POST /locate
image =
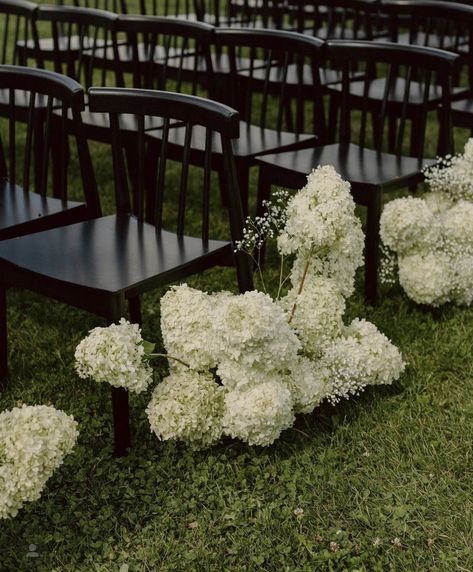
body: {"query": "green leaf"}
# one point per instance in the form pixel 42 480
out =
pixel 149 347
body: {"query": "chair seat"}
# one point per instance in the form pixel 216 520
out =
pixel 340 33
pixel 97 125
pixel 327 75
pixel 432 40
pixel 220 63
pixel 24 212
pixel 112 254
pixel 397 91
pixel 362 167
pixel 125 54
pixel 462 113
pixel 65 44
pixel 253 140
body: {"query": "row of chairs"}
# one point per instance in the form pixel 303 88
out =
pixel 274 69
pixel 99 263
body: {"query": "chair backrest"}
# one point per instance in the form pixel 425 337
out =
pixel 118 6
pixel 173 8
pixel 45 92
pixel 340 19
pixel 221 125
pixel 79 35
pixel 16 24
pixel 433 23
pixel 163 53
pixel 274 69
pixel 408 74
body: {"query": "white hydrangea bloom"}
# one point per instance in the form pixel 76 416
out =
pixel 115 355
pixel 339 263
pixel 318 317
pixel 318 215
pixel 186 326
pixel 187 406
pixel 308 385
pixel 461 273
pixel 430 239
pixel 406 223
pixel 457 227
pixel 252 329
pixel 235 375
pixel 259 413
pixel 426 277
pixel 33 443
pixel 362 356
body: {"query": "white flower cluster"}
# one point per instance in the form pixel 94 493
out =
pixel 33 443
pixel 188 406
pixel 273 358
pixel 453 175
pixel 322 226
pixel 432 237
pixel 115 355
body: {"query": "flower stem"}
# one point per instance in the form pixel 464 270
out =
pixel 281 270
pixel 169 356
pixel 301 286
pixel 258 263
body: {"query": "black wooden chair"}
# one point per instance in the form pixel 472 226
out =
pixel 76 34
pixel 448 25
pixel 436 24
pixel 156 52
pixel 101 264
pixel 340 19
pixel 383 166
pixel 274 70
pixel 25 206
pixel 16 25
pixel 62 43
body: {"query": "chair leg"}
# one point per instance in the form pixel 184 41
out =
pixel 243 175
pixel 134 306
pixel 264 191
pixel 3 339
pixel 120 406
pixel 332 118
pixel 372 249
pixel 263 194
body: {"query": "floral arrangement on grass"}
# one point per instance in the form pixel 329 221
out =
pixel 245 365
pixel 428 240
pixel 33 443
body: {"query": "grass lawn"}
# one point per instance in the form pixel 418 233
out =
pixel 384 481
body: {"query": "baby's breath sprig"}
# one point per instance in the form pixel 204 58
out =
pixel 260 229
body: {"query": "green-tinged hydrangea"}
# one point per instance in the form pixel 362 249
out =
pixel 429 239
pixel 33 443
pixel 115 355
pixel 361 356
pixel 258 414
pixel 187 406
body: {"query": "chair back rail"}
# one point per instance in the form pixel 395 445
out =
pixel 414 67
pixel 163 53
pixel 78 34
pixel 146 202
pixel 274 66
pixel 16 21
pixel 434 23
pixel 42 125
